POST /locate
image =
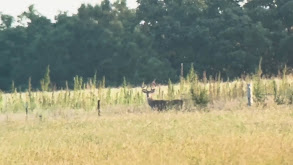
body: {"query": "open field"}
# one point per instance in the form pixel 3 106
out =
pixel 235 135
pixel 215 125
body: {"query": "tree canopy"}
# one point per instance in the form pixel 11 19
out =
pixel 146 43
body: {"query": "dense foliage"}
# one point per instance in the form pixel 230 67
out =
pixel 225 36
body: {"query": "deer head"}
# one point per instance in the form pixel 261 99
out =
pixel 146 90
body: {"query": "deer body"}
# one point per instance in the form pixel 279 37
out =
pixel 162 104
pixel 157 104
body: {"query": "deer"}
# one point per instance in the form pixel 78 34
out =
pixel 160 105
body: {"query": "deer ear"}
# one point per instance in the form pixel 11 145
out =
pixel 154 83
pixel 143 85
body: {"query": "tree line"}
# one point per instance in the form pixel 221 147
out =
pixel 150 42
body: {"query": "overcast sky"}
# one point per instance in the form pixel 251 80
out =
pixel 48 8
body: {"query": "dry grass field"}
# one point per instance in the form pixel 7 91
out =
pixel 226 134
pixel 215 126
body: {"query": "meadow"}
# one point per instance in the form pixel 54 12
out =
pixel 215 126
pixel 234 135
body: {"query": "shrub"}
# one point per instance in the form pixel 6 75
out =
pixel 200 97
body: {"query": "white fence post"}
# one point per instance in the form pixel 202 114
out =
pixel 249 94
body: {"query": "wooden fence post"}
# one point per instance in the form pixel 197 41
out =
pixel 40 117
pixel 99 108
pixel 249 94
pixel 181 73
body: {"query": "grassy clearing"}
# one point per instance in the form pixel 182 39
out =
pixel 129 136
pixel 224 131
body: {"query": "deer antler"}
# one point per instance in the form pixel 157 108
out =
pixel 145 88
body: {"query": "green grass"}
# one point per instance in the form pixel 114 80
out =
pixel 134 135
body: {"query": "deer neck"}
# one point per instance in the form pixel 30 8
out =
pixel 149 97
pixel 150 101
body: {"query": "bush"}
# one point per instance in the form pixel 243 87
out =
pixel 199 96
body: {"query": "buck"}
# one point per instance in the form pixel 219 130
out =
pixel 160 104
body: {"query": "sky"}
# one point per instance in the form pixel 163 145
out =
pixel 48 8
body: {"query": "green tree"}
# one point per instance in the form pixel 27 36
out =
pixel 6 20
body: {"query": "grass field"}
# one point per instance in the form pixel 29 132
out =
pixel 137 135
pixel 215 126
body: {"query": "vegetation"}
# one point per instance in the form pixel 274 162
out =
pixel 234 135
pixel 196 93
pixel 49 118
pixel 113 41
pixel 63 127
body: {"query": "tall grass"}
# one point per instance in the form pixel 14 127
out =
pixel 237 136
pixel 62 127
pixel 85 94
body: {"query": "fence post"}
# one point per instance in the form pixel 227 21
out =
pixel 181 73
pixel 26 110
pixel 249 94
pixel 40 117
pixel 99 108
